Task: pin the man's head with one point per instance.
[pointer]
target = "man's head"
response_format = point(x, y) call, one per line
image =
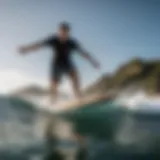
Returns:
point(64, 30)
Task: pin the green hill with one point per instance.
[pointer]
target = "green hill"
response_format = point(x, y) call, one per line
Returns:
point(135, 74)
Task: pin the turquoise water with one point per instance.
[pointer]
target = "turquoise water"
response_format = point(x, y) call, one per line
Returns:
point(98, 120)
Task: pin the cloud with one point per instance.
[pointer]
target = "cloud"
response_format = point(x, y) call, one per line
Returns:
point(12, 79)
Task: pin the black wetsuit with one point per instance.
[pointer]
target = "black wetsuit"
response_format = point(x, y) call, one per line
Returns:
point(62, 63)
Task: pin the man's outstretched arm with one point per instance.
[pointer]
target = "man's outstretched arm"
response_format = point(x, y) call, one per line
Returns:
point(87, 56)
point(36, 46)
point(29, 48)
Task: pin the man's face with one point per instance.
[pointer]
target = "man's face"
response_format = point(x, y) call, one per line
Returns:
point(63, 33)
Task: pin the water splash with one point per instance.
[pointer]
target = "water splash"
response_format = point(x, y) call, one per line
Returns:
point(138, 100)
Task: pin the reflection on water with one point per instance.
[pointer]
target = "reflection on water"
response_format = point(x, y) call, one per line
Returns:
point(110, 132)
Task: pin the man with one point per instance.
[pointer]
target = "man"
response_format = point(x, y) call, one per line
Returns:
point(63, 46)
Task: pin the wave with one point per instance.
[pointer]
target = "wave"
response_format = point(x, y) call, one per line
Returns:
point(18, 121)
point(123, 130)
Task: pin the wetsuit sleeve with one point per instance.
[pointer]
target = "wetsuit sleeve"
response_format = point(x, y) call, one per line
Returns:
point(48, 42)
point(76, 45)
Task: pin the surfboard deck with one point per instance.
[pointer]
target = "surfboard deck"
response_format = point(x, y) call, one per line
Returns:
point(77, 103)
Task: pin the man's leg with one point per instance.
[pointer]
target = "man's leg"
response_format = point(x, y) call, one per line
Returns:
point(75, 82)
point(55, 79)
point(53, 91)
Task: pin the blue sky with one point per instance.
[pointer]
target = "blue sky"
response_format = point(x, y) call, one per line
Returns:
point(113, 31)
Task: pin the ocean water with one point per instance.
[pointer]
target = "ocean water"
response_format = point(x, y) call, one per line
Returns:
point(111, 130)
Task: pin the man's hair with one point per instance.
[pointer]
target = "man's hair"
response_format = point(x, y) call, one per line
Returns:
point(64, 26)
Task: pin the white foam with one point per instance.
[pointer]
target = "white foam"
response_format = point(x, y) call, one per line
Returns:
point(139, 100)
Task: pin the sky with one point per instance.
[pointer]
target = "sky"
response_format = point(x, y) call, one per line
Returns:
point(113, 31)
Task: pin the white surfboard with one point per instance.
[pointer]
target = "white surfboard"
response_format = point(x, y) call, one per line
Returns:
point(62, 106)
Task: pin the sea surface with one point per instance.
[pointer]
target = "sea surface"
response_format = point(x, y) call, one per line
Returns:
point(111, 131)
